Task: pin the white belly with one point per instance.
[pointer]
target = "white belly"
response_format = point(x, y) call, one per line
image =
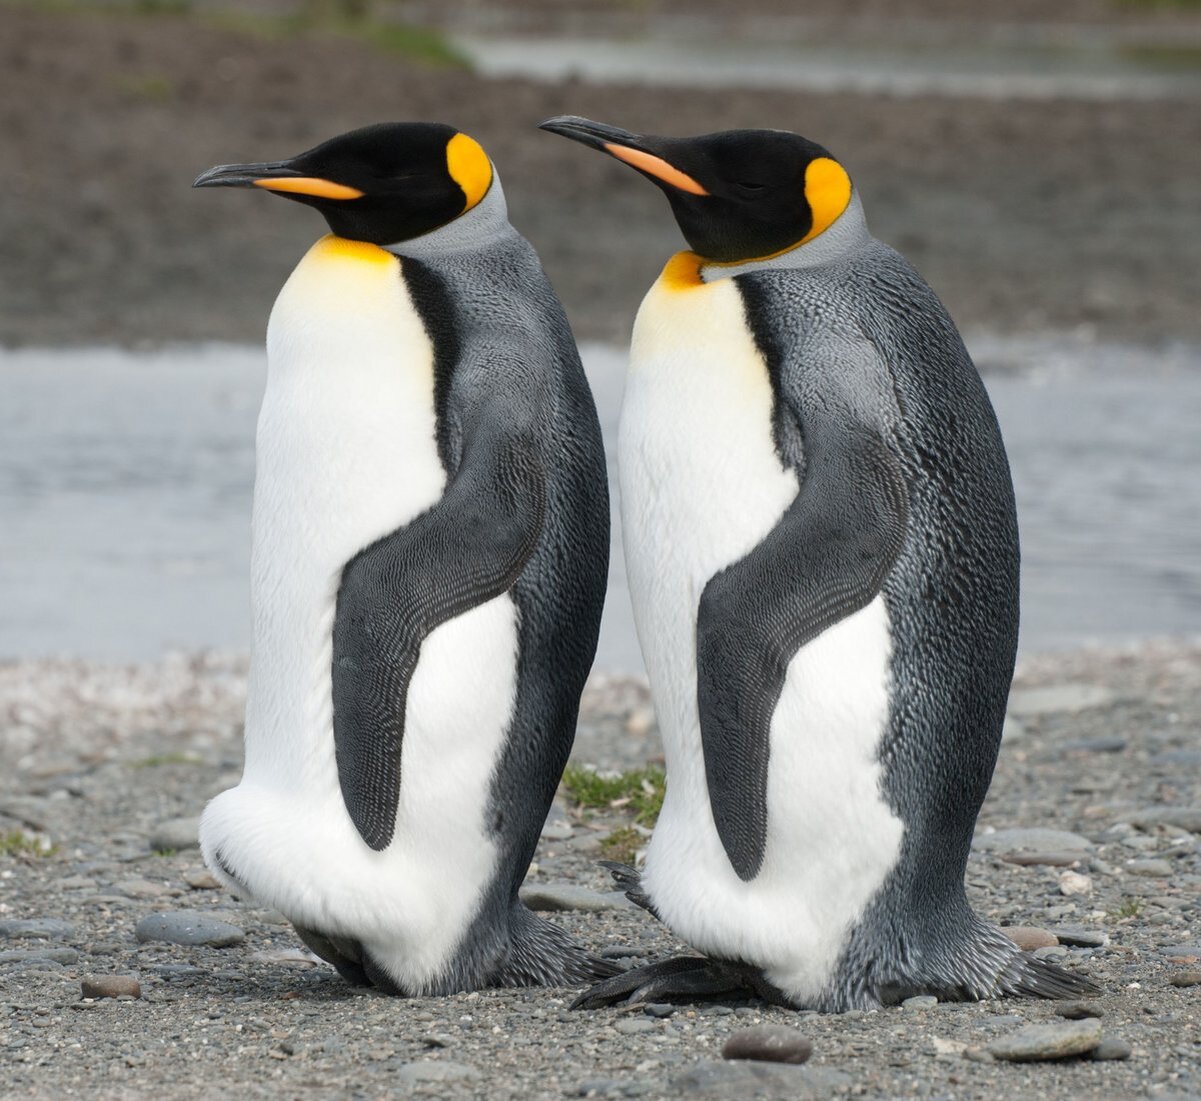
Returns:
point(346, 453)
point(701, 485)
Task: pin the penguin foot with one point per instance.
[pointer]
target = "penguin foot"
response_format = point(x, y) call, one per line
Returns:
point(629, 880)
point(679, 979)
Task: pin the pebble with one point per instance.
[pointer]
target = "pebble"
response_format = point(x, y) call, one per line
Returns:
point(62, 956)
point(48, 928)
point(1074, 883)
point(1180, 949)
point(768, 1043)
point(659, 1009)
point(1029, 937)
point(1185, 978)
point(1110, 1047)
point(1053, 860)
point(743, 1078)
point(435, 1071)
point(565, 896)
point(1032, 839)
point(176, 834)
point(1187, 818)
point(111, 986)
point(1079, 937)
point(190, 927)
point(202, 881)
point(1056, 952)
point(1059, 1040)
point(630, 1026)
point(920, 1002)
point(140, 888)
point(1078, 1011)
point(1058, 698)
point(1095, 745)
point(1156, 869)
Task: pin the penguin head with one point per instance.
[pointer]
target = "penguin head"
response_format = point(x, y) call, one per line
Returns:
point(381, 184)
point(737, 195)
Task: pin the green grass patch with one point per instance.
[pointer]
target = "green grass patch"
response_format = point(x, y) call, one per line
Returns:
point(165, 852)
point(622, 845)
point(1129, 908)
point(20, 843)
point(639, 791)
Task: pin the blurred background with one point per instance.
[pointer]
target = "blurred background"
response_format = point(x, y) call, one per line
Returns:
point(1038, 163)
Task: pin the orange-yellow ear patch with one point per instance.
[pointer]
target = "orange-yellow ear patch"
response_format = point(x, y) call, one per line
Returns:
point(310, 185)
point(683, 272)
point(828, 191)
point(469, 167)
point(655, 166)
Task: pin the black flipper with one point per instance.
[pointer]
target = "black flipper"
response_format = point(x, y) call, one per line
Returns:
point(827, 558)
point(468, 548)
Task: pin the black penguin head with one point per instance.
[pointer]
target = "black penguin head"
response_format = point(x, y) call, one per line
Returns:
point(738, 194)
point(381, 184)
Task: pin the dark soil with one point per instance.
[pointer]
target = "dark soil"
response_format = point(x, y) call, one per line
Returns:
point(1023, 215)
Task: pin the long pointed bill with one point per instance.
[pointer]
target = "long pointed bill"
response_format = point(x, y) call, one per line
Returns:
point(632, 149)
point(275, 176)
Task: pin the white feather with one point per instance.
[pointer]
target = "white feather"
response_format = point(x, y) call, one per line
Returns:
point(345, 454)
point(701, 485)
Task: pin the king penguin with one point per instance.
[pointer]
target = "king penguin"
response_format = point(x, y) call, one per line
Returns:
point(822, 552)
point(429, 554)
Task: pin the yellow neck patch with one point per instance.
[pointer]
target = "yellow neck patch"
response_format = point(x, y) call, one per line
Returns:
point(332, 247)
point(683, 272)
point(469, 167)
point(828, 191)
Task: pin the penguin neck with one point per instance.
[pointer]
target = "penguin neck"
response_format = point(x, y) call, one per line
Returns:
point(847, 234)
point(485, 223)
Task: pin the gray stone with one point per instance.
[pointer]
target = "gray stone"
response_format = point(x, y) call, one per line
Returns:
point(1095, 745)
point(1079, 937)
point(176, 834)
point(1155, 869)
point(1059, 1040)
point(111, 986)
point(565, 896)
point(190, 927)
point(1185, 978)
point(768, 1043)
point(1111, 1047)
point(45, 928)
point(203, 880)
point(1057, 698)
point(1054, 952)
point(920, 1002)
point(1051, 860)
point(435, 1071)
point(743, 1078)
point(630, 1026)
point(659, 1009)
point(62, 956)
point(1034, 839)
point(137, 887)
point(1190, 757)
point(1078, 1011)
point(1180, 949)
point(1187, 818)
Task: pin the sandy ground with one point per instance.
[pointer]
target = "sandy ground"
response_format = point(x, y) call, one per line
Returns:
point(1024, 216)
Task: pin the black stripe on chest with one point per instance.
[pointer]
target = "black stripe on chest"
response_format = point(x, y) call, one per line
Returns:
point(434, 303)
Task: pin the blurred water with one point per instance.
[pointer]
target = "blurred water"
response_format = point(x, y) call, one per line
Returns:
point(125, 483)
point(1021, 70)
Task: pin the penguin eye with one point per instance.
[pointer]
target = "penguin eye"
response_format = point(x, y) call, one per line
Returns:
point(749, 189)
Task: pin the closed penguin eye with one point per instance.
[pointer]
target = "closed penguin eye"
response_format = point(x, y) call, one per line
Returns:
point(745, 187)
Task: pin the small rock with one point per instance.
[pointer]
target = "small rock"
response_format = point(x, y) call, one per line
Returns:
point(1036, 1043)
point(1056, 952)
point(1095, 745)
point(1080, 937)
point(1184, 951)
point(436, 1071)
point(1111, 1047)
point(920, 1002)
point(1052, 860)
point(46, 928)
point(111, 986)
point(948, 1047)
point(1034, 839)
point(1058, 698)
point(1185, 978)
point(62, 956)
point(176, 834)
point(1078, 1011)
point(565, 896)
point(769, 1044)
point(1156, 869)
point(1029, 937)
point(630, 1026)
point(189, 927)
point(659, 1009)
point(747, 1078)
point(202, 881)
point(640, 722)
point(1074, 883)
point(1187, 818)
point(288, 957)
point(140, 888)
point(439, 1040)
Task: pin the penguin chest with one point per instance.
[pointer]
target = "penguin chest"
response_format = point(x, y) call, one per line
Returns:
point(701, 486)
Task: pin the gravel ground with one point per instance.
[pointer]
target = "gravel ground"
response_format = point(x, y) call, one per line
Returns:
point(1102, 747)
